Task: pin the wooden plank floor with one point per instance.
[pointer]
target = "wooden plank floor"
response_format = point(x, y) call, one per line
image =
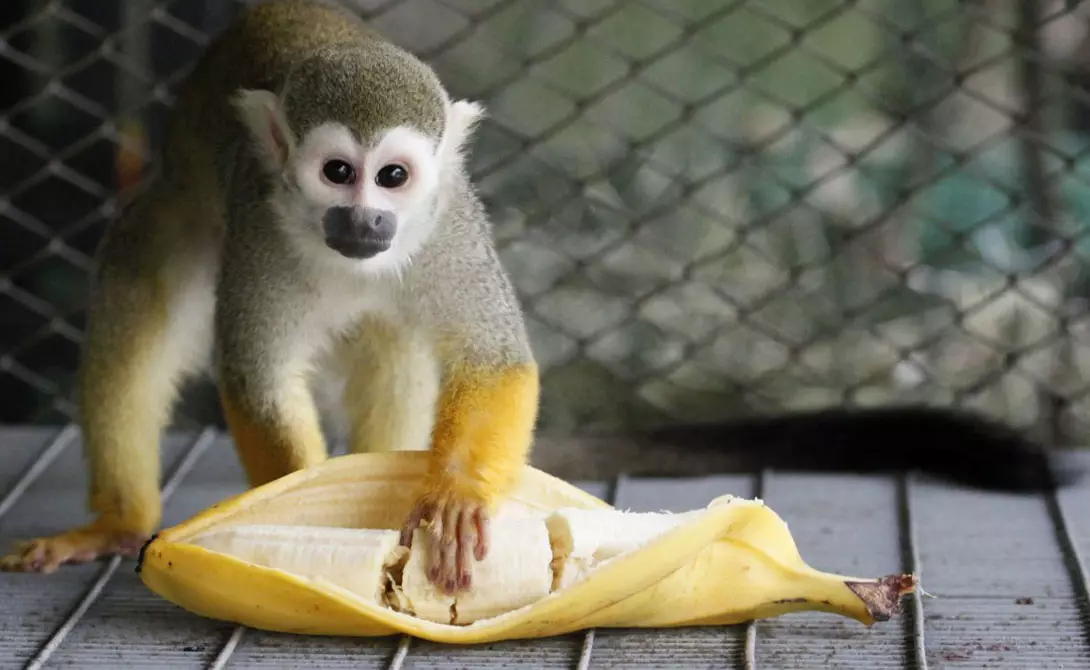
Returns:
point(1005, 573)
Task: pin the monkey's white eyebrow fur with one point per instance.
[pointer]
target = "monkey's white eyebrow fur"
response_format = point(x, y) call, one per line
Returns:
point(331, 138)
point(404, 139)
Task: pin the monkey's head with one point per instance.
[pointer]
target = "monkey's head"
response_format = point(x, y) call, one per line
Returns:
point(360, 144)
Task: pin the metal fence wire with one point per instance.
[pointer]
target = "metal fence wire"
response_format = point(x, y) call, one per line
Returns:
point(709, 207)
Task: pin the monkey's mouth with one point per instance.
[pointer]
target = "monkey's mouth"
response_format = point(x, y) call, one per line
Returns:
point(359, 248)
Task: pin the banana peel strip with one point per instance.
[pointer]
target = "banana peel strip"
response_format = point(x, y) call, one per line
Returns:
point(732, 564)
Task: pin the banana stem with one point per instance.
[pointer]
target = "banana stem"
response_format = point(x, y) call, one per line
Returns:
point(882, 597)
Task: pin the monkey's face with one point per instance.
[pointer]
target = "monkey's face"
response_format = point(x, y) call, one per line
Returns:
point(370, 202)
point(358, 191)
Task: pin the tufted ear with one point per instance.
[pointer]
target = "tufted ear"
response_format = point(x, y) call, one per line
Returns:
point(261, 113)
point(462, 118)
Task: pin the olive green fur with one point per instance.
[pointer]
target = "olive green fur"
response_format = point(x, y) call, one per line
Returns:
point(324, 62)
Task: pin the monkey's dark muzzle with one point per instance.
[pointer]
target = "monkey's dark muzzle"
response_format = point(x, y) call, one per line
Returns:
point(358, 249)
point(359, 232)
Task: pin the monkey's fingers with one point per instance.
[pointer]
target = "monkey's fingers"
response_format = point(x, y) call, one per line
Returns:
point(46, 555)
point(481, 525)
point(422, 512)
point(462, 538)
point(458, 530)
point(467, 549)
point(443, 560)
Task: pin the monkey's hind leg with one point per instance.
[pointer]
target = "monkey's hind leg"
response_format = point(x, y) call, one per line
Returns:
point(391, 389)
point(148, 309)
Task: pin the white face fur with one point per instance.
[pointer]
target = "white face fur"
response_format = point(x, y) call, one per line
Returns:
point(400, 173)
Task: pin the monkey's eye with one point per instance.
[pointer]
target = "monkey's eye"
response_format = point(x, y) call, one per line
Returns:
point(392, 176)
point(338, 172)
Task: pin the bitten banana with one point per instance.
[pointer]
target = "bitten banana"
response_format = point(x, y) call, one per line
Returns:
point(285, 557)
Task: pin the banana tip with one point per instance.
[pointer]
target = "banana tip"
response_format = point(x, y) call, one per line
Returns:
point(882, 597)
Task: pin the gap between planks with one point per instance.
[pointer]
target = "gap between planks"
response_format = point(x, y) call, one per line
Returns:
point(1073, 560)
point(749, 661)
point(910, 549)
point(53, 449)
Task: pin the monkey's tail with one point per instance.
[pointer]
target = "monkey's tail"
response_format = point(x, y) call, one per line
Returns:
point(965, 447)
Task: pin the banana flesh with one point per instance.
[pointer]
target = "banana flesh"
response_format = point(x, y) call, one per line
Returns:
point(583, 539)
point(315, 553)
point(356, 560)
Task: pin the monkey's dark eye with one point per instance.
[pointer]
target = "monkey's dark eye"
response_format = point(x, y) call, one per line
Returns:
point(339, 172)
point(392, 176)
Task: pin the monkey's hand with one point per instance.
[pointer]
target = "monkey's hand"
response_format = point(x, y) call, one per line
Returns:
point(99, 539)
point(458, 527)
point(480, 446)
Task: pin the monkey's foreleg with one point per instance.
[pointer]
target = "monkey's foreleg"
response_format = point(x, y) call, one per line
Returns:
point(137, 348)
point(480, 444)
point(277, 439)
point(264, 383)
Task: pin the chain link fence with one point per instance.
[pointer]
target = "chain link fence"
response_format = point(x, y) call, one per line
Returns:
point(709, 207)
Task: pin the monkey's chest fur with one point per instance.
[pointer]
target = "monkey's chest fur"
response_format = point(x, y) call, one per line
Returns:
point(377, 386)
point(372, 369)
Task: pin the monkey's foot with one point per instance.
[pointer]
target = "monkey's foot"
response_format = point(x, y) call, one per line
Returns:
point(82, 545)
point(459, 531)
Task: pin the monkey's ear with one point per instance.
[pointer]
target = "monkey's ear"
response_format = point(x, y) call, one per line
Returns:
point(263, 116)
point(462, 118)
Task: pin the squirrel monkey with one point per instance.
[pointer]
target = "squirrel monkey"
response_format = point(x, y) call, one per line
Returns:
point(313, 220)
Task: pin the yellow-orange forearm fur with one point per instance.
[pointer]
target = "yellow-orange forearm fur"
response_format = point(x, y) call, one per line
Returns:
point(483, 432)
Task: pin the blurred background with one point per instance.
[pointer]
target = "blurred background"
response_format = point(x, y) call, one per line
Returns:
point(709, 207)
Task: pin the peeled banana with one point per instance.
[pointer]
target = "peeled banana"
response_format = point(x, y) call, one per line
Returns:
point(317, 552)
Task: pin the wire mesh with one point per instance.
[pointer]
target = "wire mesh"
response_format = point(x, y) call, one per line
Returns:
point(708, 208)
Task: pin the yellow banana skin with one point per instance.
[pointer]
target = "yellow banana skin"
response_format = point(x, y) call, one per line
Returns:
point(734, 563)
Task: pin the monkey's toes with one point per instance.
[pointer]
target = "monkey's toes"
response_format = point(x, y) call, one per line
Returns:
point(46, 555)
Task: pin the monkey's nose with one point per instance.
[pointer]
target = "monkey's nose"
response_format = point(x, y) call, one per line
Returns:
point(375, 223)
point(359, 232)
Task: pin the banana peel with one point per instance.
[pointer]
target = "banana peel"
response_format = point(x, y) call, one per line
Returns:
point(733, 563)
